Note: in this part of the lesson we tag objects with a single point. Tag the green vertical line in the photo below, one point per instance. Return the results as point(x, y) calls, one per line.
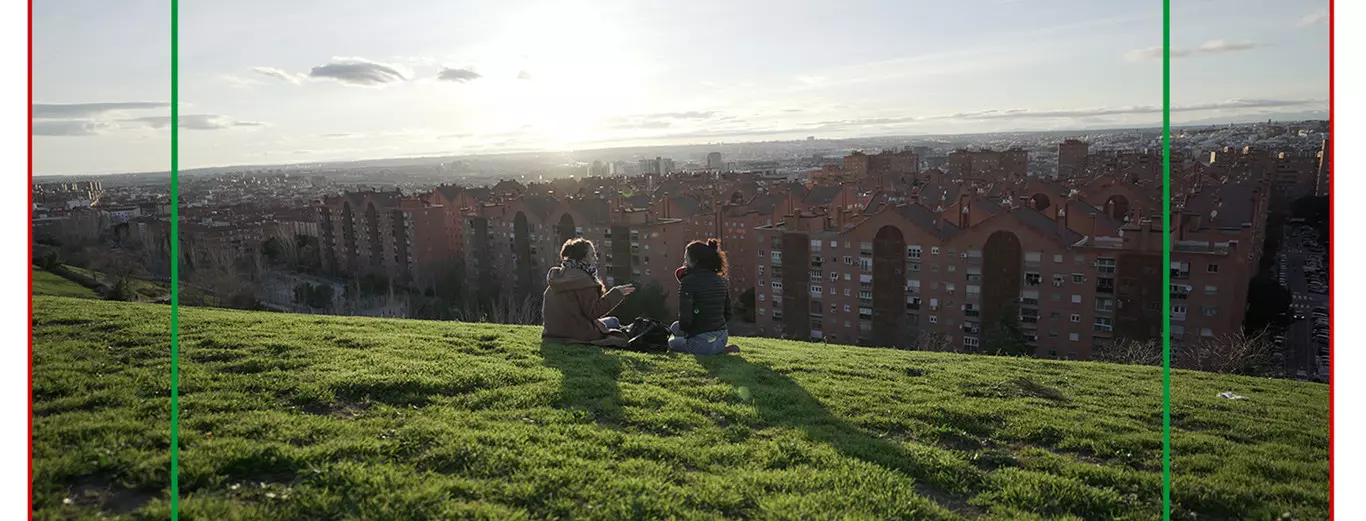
point(175, 261)
point(1166, 260)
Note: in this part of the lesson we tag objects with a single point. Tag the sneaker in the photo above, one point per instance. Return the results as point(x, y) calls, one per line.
point(732, 348)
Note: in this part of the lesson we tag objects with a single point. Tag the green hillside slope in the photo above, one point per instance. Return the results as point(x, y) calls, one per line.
point(49, 284)
point(310, 417)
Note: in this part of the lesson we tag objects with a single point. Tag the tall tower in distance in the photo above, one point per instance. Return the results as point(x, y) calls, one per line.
point(714, 161)
point(1072, 158)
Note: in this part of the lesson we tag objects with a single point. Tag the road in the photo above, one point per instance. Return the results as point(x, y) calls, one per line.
point(1299, 337)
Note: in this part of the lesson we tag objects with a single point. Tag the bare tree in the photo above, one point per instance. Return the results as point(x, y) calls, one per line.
point(1237, 353)
point(1129, 351)
point(931, 340)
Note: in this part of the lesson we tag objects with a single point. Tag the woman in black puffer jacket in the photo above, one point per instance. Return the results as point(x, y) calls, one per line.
point(703, 302)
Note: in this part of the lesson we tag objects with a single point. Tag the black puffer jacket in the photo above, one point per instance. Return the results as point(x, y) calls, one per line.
point(703, 302)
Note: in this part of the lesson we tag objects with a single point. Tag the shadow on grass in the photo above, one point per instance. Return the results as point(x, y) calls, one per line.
point(781, 401)
point(590, 380)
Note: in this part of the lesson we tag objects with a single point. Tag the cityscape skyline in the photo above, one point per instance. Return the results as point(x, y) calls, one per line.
point(570, 76)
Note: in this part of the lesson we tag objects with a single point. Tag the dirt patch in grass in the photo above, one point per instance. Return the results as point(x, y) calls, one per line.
point(339, 409)
point(1014, 388)
point(102, 492)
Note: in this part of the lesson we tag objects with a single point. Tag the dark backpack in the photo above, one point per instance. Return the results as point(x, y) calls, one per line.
point(647, 335)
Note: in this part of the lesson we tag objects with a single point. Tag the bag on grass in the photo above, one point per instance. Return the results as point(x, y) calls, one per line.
point(647, 336)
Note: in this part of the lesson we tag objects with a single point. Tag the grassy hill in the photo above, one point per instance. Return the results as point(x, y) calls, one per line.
point(310, 417)
point(50, 284)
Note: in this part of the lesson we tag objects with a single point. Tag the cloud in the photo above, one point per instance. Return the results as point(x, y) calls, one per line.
point(458, 75)
point(68, 127)
point(812, 80)
point(87, 110)
point(1214, 46)
point(360, 72)
point(1231, 104)
point(1314, 18)
point(1210, 47)
point(197, 122)
point(338, 135)
point(524, 75)
point(278, 74)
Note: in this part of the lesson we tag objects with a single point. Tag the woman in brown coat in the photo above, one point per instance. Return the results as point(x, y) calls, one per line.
point(576, 304)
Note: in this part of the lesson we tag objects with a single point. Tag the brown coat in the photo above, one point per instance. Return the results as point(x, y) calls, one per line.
point(572, 305)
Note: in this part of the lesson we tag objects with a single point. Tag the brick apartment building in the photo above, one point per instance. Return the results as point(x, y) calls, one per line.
point(402, 238)
point(1072, 155)
point(1218, 238)
point(905, 273)
point(988, 165)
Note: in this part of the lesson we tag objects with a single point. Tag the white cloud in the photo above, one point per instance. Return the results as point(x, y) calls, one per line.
point(278, 74)
point(360, 72)
point(1314, 18)
point(1210, 47)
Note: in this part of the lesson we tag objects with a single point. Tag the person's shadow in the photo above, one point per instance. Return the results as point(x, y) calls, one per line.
point(781, 401)
point(589, 380)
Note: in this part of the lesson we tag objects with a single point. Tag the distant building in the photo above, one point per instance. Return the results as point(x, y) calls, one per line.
point(714, 161)
point(1072, 156)
point(988, 165)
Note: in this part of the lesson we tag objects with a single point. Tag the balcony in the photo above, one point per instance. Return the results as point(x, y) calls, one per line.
point(1178, 317)
point(972, 313)
point(1106, 286)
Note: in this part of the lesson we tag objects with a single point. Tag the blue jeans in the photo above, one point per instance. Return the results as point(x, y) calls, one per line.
point(709, 343)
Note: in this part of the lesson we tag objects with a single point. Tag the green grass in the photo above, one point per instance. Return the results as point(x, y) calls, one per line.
point(146, 290)
point(50, 284)
point(311, 417)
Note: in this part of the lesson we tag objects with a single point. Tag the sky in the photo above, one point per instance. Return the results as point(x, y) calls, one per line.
point(272, 82)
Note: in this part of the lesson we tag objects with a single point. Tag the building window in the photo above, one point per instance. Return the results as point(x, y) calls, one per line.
point(1057, 258)
point(1057, 281)
point(834, 277)
point(847, 276)
point(1054, 315)
point(915, 266)
point(912, 252)
point(1212, 268)
point(934, 250)
point(1206, 332)
point(848, 259)
point(1211, 290)
point(760, 270)
point(1033, 279)
point(1102, 324)
point(1209, 311)
point(970, 341)
point(953, 268)
point(816, 245)
point(846, 292)
point(847, 308)
point(1033, 256)
point(761, 297)
point(1076, 318)
point(1078, 278)
point(1073, 337)
point(934, 319)
point(1076, 298)
point(1105, 304)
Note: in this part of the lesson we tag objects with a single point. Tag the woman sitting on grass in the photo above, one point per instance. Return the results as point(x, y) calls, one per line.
point(703, 302)
point(576, 303)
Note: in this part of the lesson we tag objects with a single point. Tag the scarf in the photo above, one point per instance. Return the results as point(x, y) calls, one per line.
point(590, 269)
